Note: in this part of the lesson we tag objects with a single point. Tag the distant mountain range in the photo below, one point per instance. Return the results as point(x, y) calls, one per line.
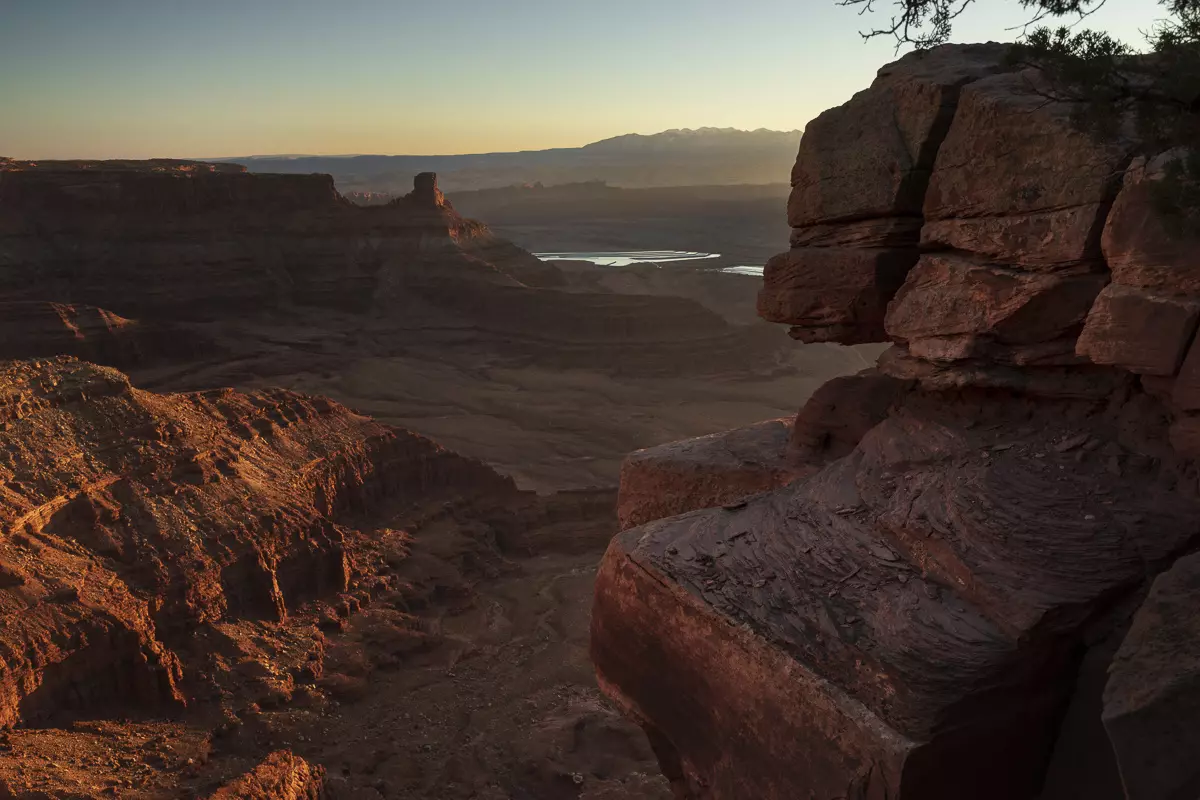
point(706, 156)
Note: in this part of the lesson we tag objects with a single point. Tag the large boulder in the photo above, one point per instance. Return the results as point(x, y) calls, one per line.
point(1142, 245)
point(1145, 321)
point(833, 294)
point(858, 190)
point(903, 624)
point(871, 157)
point(700, 473)
point(1017, 182)
point(1141, 330)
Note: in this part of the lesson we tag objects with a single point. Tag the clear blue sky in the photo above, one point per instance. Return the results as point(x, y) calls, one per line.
point(209, 78)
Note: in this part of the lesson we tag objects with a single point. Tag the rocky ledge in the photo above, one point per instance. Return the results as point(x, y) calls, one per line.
point(943, 602)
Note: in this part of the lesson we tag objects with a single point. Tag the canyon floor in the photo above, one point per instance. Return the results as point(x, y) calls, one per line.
point(505, 705)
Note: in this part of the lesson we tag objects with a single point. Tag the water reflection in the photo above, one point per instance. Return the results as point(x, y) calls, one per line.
point(625, 258)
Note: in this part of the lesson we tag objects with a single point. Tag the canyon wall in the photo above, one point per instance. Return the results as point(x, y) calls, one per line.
point(923, 590)
point(176, 240)
point(133, 526)
point(104, 259)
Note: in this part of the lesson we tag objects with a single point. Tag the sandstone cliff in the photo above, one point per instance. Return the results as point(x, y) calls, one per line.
point(164, 244)
point(149, 240)
point(928, 607)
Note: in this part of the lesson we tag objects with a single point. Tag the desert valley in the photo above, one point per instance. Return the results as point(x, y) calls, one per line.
point(862, 464)
point(441, 585)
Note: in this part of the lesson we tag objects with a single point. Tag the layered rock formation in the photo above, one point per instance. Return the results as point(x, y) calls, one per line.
point(133, 521)
point(698, 473)
point(181, 241)
point(930, 611)
point(164, 243)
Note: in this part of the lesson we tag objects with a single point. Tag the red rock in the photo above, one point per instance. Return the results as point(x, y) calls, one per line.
point(1152, 700)
point(833, 294)
point(1016, 182)
point(953, 309)
point(283, 775)
point(858, 187)
point(871, 157)
point(1041, 382)
point(1142, 247)
point(902, 624)
point(132, 520)
point(701, 473)
point(931, 615)
point(1139, 330)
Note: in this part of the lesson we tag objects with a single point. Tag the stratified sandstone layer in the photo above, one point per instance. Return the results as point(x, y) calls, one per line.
point(699, 473)
point(158, 243)
point(924, 591)
point(858, 188)
point(930, 615)
point(154, 241)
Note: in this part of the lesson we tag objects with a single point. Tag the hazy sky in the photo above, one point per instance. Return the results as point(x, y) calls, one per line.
point(209, 78)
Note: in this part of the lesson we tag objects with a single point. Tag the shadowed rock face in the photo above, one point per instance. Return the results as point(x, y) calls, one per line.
point(156, 241)
point(949, 575)
point(156, 244)
point(1152, 699)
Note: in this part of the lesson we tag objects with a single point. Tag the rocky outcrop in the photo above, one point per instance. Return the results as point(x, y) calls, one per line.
point(858, 190)
point(281, 776)
point(893, 589)
point(130, 521)
point(930, 611)
point(701, 473)
point(1146, 320)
